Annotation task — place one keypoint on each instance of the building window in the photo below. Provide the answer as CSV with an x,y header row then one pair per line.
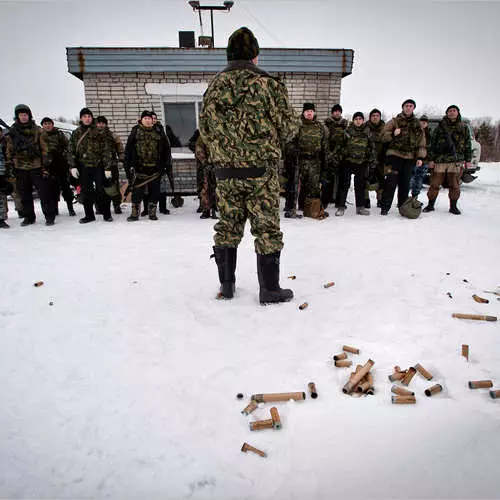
x,y
182,118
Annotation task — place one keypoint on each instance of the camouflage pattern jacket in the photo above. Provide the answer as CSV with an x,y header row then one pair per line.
x,y
336,128
3,163
87,147
115,146
311,140
56,158
410,143
356,146
450,142
25,146
246,117
376,132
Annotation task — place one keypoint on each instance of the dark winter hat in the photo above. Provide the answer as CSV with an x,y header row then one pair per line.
x,y
102,119
424,118
146,113
242,45
86,111
373,111
358,114
308,105
337,107
451,107
22,108
47,120
409,101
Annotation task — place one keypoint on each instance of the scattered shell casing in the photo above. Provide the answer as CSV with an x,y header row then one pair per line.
x,y
495,394
409,375
480,384
433,390
420,369
251,407
261,424
465,351
247,447
312,390
479,299
338,357
329,284
343,363
348,348
278,396
38,283
275,417
292,277
401,391
397,376
357,377
363,386
303,306
479,317
403,400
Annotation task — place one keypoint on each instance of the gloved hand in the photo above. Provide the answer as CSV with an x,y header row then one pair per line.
x,y
75,173
108,174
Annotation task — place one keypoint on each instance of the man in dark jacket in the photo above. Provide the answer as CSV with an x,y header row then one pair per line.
x,y
451,152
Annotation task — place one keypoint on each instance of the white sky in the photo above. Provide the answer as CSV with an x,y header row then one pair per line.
x,y
438,52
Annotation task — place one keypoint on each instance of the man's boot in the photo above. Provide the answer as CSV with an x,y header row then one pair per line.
x,y
28,220
225,258
268,272
453,208
3,225
205,214
152,211
162,204
135,213
430,206
71,210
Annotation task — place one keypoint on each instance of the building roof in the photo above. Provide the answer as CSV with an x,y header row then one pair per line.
x,y
168,59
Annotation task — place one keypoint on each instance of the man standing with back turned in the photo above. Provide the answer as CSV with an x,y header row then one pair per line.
x,y
246,118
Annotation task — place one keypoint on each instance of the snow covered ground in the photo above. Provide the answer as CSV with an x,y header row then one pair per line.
x,y
125,387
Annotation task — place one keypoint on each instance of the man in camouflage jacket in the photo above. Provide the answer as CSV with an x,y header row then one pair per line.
x,y
246,118
450,153
25,149
406,147
5,186
375,127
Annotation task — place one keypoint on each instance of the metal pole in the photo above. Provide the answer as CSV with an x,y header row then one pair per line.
x,y
212,21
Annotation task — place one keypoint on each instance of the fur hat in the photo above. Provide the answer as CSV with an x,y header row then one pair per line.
x,y
86,111
146,113
308,105
102,119
242,45
337,107
358,114
22,108
46,119
373,111
409,101
424,118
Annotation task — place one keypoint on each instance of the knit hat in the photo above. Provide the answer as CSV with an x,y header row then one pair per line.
x,y
102,119
47,120
451,107
242,45
358,114
409,101
308,105
146,113
424,118
337,107
373,111
22,108
86,111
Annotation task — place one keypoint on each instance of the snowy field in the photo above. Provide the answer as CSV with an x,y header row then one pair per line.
x,y
125,387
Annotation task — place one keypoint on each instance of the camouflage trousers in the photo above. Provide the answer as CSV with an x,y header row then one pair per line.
x,y
254,199
309,174
4,208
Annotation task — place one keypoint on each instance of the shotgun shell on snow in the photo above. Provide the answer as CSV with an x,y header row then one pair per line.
x,y
403,400
401,391
329,284
363,386
420,369
495,394
251,407
397,376
292,277
38,283
433,390
465,351
343,363
278,396
348,348
409,375
312,390
479,299
355,379
480,384
303,306
338,357
275,417
261,424
248,447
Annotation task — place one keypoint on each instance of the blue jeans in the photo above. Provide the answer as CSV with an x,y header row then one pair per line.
x,y
417,179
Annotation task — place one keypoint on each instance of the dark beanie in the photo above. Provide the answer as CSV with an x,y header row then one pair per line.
x,y
409,101
102,119
373,111
146,113
47,120
358,114
451,107
308,105
424,118
242,45
22,108
86,111
337,107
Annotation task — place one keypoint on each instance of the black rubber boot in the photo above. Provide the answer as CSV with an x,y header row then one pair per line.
x,y
205,214
225,258
134,216
430,206
162,204
453,208
71,210
268,271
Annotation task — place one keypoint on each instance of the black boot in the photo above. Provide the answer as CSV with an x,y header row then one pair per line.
x,y
28,220
3,225
162,204
430,206
453,208
71,210
205,214
225,258
268,271
134,216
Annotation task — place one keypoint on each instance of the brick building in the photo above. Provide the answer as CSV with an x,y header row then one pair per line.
x,y
121,82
